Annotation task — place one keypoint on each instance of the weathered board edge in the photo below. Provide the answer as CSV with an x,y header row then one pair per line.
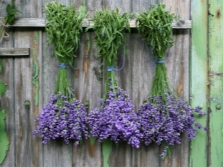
x,y
15,52
198,75
40,22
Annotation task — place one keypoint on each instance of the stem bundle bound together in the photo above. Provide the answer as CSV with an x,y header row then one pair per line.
x,y
63,116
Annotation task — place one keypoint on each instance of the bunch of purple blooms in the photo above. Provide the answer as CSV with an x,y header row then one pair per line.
x,y
115,119
165,121
62,118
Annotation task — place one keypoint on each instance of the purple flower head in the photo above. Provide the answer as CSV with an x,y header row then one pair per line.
x,y
61,118
166,120
115,119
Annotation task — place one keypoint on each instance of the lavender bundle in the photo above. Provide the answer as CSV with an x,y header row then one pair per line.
x,y
63,116
164,116
115,119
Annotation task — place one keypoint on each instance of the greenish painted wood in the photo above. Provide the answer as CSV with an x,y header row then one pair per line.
x,y
198,79
216,83
3,136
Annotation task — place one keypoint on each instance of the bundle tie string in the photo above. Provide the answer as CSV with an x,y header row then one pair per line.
x,y
63,65
112,68
5,34
160,60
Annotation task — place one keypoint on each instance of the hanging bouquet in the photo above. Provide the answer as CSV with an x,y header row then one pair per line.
x,y
164,116
115,119
63,116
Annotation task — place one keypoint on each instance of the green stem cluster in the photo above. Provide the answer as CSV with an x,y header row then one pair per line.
x,y
160,84
62,83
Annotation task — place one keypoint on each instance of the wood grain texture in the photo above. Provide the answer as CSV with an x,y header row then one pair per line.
x,y
178,74
143,67
216,83
136,78
199,80
40,22
8,101
14,52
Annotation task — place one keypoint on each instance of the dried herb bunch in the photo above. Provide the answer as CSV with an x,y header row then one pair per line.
x,y
164,116
115,119
63,116
155,25
156,28
110,27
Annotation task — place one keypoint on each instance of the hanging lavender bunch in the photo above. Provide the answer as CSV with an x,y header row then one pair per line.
x,y
63,116
164,116
115,119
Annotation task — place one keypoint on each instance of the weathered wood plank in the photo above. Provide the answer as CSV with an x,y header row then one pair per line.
x,y
87,86
40,22
216,83
120,155
142,74
55,153
87,89
15,52
27,78
23,119
178,74
8,100
199,80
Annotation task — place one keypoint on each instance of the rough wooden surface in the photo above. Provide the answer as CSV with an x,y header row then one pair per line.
x,y
34,79
38,22
216,83
14,52
199,79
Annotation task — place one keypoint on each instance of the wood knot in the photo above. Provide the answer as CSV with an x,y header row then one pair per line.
x,y
218,13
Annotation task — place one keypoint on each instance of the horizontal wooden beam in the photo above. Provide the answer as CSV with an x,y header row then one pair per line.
x,y
39,22
14,52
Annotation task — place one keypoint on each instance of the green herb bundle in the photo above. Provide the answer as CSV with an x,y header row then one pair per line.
x,y
9,18
64,26
156,28
110,27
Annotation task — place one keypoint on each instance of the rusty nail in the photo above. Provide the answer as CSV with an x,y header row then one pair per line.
x,y
27,104
86,104
218,106
200,107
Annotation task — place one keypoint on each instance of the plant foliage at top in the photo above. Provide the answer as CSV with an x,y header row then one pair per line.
x,y
156,28
64,27
10,17
109,27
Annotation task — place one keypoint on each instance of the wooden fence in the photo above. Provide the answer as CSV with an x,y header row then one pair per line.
x,y
194,69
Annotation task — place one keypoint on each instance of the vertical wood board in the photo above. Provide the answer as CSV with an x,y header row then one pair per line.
x,y
216,83
199,82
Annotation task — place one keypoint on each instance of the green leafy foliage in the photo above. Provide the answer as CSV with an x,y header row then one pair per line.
x,y
110,27
64,27
155,25
3,136
2,88
156,28
11,12
10,17
0,65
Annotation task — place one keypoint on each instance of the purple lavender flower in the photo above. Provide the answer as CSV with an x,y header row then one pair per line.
x,y
167,120
206,128
115,119
164,152
61,118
